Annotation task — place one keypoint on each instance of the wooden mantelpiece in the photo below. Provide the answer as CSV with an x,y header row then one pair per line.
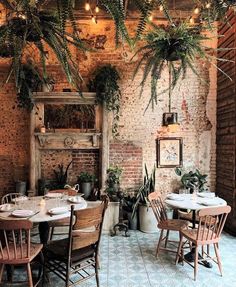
x,y
66,139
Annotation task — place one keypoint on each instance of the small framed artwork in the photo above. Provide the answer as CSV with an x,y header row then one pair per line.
x,y
169,152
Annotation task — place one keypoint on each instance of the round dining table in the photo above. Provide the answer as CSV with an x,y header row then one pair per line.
x,y
194,202
44,209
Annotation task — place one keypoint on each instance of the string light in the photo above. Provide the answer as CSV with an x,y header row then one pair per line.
x,y
208,5
97,9
94,19
87,6
191,20
161,8
150,18
196,10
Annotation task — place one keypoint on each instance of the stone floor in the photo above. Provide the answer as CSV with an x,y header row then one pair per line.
x,y
130,262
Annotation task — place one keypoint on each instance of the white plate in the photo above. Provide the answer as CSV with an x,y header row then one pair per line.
x,y
75,199
209,202
22,213
58,210
54,195
206,194
177,197
6,207
20,198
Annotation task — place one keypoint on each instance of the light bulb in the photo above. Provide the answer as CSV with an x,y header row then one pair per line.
x,y
87,6
196,10
161,8
94,20
208,5
150,18
97,9
191,20
173,128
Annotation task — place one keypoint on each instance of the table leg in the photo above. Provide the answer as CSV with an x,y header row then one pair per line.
x,y
43,232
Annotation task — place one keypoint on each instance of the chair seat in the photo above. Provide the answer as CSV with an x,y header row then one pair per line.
x,y
58,249
191,234
34,251
173,224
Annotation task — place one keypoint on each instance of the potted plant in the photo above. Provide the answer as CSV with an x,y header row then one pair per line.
x,y
147,219
60,176
176,45
113,182
86,183
192,180
105,84
128,207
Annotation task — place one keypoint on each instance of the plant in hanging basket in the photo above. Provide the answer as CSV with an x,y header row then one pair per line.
x,y
105,84
177,45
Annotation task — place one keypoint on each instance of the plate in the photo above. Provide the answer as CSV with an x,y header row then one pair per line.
x,y
75,199
22,213
176,197
209,202
58,210
53,195
6,207
206,194
20,198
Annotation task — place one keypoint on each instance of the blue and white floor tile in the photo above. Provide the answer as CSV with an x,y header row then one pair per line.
x,y
131,262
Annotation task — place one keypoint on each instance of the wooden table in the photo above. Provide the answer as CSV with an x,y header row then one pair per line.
x,y
194,202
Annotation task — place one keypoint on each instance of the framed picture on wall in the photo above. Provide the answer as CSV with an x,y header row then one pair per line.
x,y
169,152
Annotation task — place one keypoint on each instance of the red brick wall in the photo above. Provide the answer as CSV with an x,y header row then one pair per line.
x,y
83,160
128,156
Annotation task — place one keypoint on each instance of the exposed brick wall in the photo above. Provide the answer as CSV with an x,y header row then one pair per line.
x,y
193,100
128,156
83,160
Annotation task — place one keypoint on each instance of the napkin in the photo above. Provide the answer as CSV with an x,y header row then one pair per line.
x,y
174,196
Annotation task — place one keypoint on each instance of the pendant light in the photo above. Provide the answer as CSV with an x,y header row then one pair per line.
x,y
170,119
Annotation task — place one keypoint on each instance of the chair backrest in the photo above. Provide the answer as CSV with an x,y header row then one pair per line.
x,y
87,227
157,206
9,197
15,239
211,223
70,192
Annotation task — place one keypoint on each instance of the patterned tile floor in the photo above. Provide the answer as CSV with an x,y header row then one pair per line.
x,y
130,262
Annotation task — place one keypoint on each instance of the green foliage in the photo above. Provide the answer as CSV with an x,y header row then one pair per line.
x,y
35,29
105,84
86,177
166,45
113,175
192,179
61,176
145,189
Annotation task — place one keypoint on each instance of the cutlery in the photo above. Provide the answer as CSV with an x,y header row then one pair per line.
x,y
33,214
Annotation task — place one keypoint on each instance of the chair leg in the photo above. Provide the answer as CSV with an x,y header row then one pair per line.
x,y
159,242
218,257
195,262
1,271
96,273
167,236
51,231
179,249
29,275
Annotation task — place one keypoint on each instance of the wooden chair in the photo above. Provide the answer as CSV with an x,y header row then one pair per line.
x,y
61,222
211,223
18,250
163,223
9,197
77,254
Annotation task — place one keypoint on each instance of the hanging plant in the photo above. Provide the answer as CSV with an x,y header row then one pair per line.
x,y
105,84
32,28
177,45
